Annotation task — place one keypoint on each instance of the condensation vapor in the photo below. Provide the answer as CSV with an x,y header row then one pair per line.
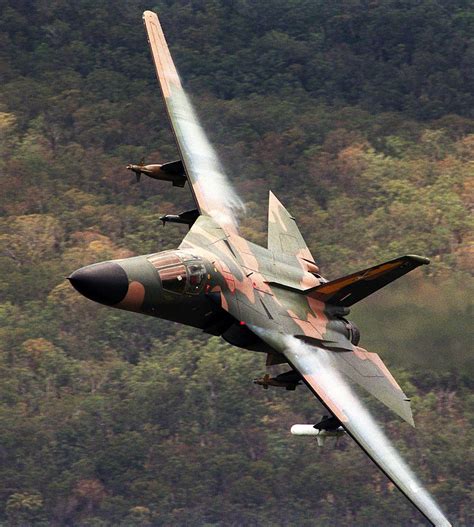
x,y
318,363
222,202
214,193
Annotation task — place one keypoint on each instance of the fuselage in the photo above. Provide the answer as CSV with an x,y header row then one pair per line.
x,y
218,286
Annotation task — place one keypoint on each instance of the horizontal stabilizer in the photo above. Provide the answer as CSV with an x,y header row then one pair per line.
x,y
368,371
349,289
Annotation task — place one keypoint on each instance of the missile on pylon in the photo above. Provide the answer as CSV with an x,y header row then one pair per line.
x,y
320,434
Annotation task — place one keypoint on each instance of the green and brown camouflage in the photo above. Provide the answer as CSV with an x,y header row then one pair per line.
x,y
267,299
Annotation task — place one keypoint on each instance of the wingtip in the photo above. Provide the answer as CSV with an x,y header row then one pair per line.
x,y
149,14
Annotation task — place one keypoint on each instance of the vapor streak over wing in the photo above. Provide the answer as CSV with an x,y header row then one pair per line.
x,y
320,373
211,189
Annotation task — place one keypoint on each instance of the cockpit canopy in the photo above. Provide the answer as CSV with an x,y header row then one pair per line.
x,y
180,272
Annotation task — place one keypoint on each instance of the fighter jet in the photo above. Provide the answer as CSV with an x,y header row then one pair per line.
x,y
270,299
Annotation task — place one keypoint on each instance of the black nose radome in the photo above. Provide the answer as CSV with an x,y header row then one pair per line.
x,y
106,283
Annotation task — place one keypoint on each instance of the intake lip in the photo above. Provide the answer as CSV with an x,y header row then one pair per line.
x,y
106,282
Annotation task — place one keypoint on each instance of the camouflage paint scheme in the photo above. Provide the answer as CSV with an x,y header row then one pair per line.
x,y
256,298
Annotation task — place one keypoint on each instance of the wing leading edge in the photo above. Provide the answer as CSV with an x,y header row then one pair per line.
x,y
321,374
212,191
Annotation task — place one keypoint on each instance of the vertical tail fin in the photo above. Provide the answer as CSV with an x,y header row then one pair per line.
x,y
283,233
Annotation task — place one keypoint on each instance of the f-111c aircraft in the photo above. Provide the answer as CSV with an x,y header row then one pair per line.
x,y
266,299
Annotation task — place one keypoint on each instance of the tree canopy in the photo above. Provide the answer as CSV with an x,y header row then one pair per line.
x,y
358,115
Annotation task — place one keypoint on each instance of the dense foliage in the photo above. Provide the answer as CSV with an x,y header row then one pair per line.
x,y
359,116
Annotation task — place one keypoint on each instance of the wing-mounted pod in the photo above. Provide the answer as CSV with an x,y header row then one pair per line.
x,y
173,172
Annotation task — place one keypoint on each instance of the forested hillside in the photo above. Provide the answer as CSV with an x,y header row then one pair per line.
x,y
359,116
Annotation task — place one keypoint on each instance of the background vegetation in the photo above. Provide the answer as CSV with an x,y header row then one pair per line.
x,y
359,115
